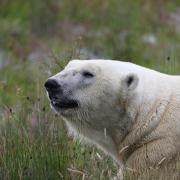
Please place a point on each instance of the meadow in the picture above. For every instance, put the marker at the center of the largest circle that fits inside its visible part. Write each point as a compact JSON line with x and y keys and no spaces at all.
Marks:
{"x":37,"y":39}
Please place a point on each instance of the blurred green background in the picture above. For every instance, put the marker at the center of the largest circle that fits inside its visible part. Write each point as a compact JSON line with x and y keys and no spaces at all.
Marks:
{"x":37,"y":38}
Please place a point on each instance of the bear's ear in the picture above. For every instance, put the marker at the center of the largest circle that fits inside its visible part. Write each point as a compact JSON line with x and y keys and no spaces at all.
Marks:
{"x":130,"y":81}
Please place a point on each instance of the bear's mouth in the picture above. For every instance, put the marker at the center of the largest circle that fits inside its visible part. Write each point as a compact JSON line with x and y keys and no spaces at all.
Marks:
{"x":64,"y":104}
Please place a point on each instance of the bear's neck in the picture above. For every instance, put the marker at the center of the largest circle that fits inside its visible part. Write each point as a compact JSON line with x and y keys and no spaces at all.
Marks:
{"x":146,"y":119}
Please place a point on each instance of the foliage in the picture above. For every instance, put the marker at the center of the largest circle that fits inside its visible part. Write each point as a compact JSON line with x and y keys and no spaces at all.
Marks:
{"x":37,"y":38}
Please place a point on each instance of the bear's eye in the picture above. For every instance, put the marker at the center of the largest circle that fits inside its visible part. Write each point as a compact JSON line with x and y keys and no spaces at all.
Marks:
{"x":87,"y":74}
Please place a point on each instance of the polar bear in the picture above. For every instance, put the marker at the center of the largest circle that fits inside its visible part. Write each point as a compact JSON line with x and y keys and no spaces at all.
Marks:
{"x":131,"y":112}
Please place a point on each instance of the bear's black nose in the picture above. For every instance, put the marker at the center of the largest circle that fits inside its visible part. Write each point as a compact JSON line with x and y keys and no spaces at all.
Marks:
{"x":52,"y":85}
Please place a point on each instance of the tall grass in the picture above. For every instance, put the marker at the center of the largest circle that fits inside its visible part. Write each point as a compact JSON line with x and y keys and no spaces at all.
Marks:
{"x":33,"y":140}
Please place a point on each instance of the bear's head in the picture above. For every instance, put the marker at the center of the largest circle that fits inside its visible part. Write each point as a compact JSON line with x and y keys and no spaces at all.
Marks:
{"x":93,"y":92}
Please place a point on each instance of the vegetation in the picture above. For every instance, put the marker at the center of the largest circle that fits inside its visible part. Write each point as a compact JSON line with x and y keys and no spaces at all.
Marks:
{"x":37,"y":38}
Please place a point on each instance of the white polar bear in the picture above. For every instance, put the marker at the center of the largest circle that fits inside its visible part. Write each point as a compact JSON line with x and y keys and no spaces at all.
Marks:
{"x":131,"y":112}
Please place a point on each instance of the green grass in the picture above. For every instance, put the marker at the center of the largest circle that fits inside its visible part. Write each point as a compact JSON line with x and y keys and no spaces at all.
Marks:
{"x":33,"y":141}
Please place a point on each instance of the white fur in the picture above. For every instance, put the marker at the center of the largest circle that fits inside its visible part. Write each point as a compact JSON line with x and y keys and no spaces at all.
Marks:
{"x":120,"y":118}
